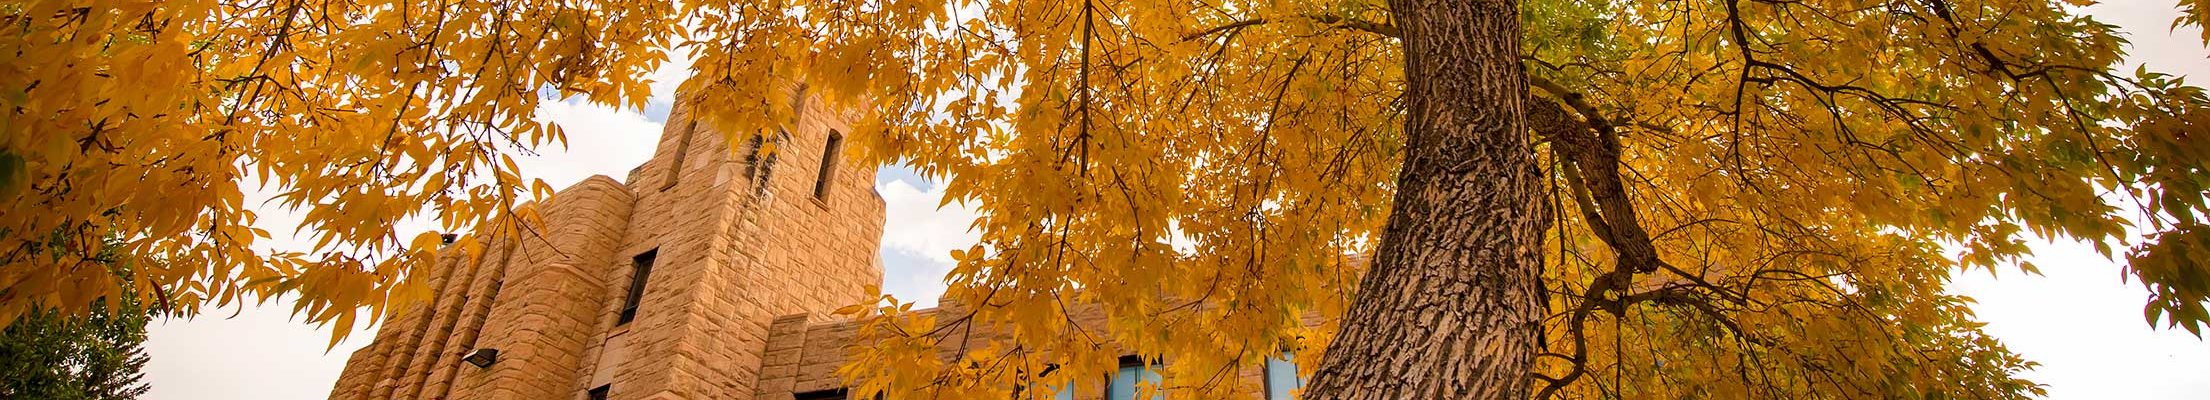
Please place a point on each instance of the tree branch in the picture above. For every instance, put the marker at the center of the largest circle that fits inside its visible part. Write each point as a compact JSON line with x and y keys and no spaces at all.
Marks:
{"x":1378,"y":28}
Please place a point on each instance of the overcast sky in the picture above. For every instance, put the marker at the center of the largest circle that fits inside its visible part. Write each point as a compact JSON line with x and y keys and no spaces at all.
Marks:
{"x":2078,"y":320}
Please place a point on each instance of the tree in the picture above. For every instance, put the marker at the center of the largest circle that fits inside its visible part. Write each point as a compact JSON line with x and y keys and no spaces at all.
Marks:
{"x":1739,"y":213}
{"x":148,"y":122}
{"x":1732,"y":210}
{"x":47,"y":355}
{"x":1466,"y":229}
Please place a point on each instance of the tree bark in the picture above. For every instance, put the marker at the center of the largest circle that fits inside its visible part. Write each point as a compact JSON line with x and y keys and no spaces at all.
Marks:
{"x":1451,"y":306}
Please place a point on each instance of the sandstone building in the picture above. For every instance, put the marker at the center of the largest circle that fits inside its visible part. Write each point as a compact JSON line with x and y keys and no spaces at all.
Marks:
{"x":707,"y":274}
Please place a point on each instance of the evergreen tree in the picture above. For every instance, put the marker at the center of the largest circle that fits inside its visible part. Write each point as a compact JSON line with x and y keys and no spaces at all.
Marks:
{"x":97,"y":356}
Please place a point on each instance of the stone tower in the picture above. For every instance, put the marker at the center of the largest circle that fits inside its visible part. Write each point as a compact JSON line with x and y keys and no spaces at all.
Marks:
{"x":708,"y":274}
{"x":661,"y":286}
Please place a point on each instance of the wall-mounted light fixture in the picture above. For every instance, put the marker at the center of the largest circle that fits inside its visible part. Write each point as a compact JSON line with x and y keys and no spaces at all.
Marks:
{"x":482,"y":358}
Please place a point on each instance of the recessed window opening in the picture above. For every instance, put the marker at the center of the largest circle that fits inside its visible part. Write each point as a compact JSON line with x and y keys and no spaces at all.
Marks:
{"x":828,"y":165}
{"x":826,"y":394}
{"x":682,"y":151}
{"x":637,"y":279}
{"x":1281,"y":377}
{"x":1124,"y":382}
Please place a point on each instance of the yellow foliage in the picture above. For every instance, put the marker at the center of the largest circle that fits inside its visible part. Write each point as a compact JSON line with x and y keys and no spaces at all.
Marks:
{"x":142,"y":123}
{"x":1204,"y":173}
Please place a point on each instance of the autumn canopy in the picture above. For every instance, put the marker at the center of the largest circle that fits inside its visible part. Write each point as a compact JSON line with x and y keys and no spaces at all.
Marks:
{"x":1701,"y":198}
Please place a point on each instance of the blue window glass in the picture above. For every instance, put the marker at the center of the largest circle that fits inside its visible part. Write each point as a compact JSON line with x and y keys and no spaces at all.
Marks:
{"x":1281,"y":377}
{"x":1066,"y":392}
{"x":1123,"y":385}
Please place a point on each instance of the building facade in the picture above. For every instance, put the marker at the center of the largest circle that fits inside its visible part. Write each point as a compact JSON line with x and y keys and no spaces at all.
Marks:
{"x":707,"y":274}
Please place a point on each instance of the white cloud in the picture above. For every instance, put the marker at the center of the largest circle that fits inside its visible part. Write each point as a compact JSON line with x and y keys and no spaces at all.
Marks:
{"x":601,"y":141}
{"x":915,"y":224}
{"x":913,"y":279}
{"x":670,"y":75}
{"x":918,"y":238}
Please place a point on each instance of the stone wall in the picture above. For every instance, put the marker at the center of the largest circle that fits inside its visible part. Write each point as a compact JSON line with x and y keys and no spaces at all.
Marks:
{"x":739,"y":239}
{"x":804,"y":351}
{"x":747,"y":261}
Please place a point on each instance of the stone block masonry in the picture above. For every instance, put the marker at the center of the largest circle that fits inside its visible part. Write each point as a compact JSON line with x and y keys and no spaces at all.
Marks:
{"x":705,"y":274}
{"x":735,"y":238}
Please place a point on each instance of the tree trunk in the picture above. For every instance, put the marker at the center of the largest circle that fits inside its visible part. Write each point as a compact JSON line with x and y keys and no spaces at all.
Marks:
{"x":1451,"y":306}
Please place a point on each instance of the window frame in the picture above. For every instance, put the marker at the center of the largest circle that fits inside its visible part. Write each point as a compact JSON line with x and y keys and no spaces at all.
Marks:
{"x":829,"y":158}
{"x":640,"y":275}
{"x":682,"y":152}
{"x":1142,"y":372}
{"x":1271,"y":381}
{"x":824,"y":394}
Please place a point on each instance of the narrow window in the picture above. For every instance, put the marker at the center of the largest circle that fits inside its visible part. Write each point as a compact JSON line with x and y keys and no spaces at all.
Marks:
{"x":1066,"y":392}
{"x":828,"y":165}
{"x":1123,"y":384}
{"x":637,"y":280}
{"x":830,"y":394}
{"x":597,"y":393}
{"x":682,"y":151}
{"x":1281,"y":377}
{"x":827,"y":394}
